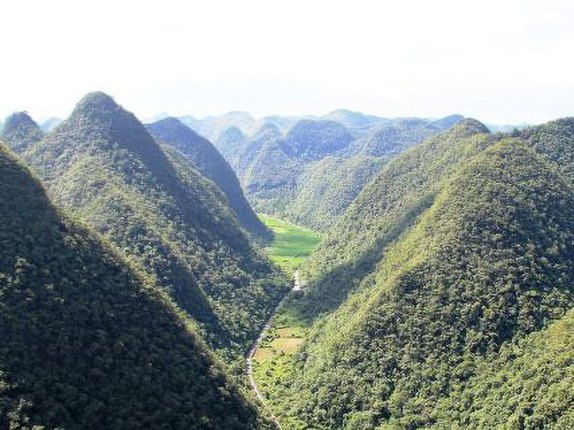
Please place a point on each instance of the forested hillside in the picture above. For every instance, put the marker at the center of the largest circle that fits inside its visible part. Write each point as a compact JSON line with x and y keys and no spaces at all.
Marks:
{"x":441,"y":296}
{"x":88,"y":342}
{"x":162,"y":215}
{"x":211,"y":164}
{"x":529,"y":386}
{"x":555,"y":142}
{"x":482,"y":264}
{"x":387,"y":207}
{"x":20,"y":132}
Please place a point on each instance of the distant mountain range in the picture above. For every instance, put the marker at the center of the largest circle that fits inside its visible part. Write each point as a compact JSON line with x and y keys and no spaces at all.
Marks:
{"x":312,"y":172}
{"x":305,"y":168}
{"x":212,"y":127}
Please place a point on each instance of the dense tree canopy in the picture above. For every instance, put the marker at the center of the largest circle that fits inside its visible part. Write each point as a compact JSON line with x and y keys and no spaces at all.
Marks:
{"x":87,"y":340}
{"x":443,"y":298}
{"x":162,"y":215}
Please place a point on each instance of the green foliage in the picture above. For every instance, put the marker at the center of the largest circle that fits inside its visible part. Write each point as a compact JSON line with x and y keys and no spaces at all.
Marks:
{"x":313,"y":140}
{"x":87,"y":340}
{"x":211,"y":164}
{"x":20,"y":132}
{"x":163,"y":216}
{"x":528,"y":386}
{"x":329,"y":186}
{"x":435,"y":296}
{"x":555,"y":142}
{"x":268,"y":173}
{"x":388,"y":207}
{"x":231,"y":144}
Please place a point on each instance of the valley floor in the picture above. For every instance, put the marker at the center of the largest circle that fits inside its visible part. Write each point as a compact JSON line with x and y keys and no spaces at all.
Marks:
{"x":292,"y":244}
{"x":284,"y":331}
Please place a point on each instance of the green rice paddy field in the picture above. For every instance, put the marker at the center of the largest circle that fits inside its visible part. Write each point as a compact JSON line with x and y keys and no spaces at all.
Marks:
{"x":292,"y":244}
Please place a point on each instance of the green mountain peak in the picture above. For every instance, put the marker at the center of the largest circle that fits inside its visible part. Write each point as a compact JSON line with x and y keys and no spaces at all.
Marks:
{"x":20,"y":132}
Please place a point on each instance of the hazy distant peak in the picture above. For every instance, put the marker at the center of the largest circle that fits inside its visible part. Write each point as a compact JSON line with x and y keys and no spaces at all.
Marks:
{"x":20,"y":120}
{"x":20,"y":131}
{"x":51,"y":123}
{"x":353,"y":119}
{"x":470,"y":126}
{"x":307,"y":125}
{"x":267,"y":129}
{"x":239,"y":114}
{"x":232,"y":134}
{"x":412,"y":122}
{"x":156,"y":117}
{"x":345,"y":113}
{"x":170,"y":122}
{"x":448,"y":121}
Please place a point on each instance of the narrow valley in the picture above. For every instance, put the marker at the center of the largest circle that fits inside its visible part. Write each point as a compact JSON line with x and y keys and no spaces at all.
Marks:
{"x":280,"y":335}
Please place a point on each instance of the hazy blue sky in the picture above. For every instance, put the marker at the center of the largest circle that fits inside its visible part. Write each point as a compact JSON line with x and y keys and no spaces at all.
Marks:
{"x":501,"y":61}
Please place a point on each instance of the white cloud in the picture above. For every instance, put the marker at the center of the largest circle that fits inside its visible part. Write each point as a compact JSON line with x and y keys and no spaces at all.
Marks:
{"x":500,"y":61}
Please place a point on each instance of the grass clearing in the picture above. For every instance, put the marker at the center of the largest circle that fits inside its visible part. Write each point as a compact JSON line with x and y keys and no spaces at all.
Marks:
{"x":262,"y":354}
{"x":291,"y":245}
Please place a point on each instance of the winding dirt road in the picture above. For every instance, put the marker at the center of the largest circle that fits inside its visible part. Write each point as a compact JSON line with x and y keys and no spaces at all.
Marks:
{"x":255,"y":345}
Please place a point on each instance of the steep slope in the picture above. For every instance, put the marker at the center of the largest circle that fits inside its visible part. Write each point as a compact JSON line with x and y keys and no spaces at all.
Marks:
{"x":328,"y":187}
{"x":20,"y":132}
{"x":488,"y":263}
{"x":527,"y":387}
{"x":87,"y":342}
{"x":272,"y":179}
{"x":231,"y":144}
{"x":162,"y":215}
{"x":211,"y":164}
{"x":385,"y":209}
{"x":555,"y":142}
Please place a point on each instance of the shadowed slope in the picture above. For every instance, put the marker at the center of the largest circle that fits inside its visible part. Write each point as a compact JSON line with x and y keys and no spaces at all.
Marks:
{"x":87,"y":342}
